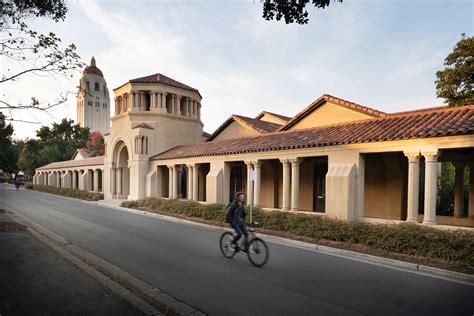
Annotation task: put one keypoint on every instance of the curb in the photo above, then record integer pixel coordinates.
(140, 294)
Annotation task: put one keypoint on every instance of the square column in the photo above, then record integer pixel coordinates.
(195, 182)
(118, 179)
(175, 182)
(257, 185)
(170, 181)
(413, 186)
(458, 189)
(58, 179)
(163, 102)
(431, 160)
(113, 182)
(189, 183)
(295, 184)
(286, 184)
(249, 183)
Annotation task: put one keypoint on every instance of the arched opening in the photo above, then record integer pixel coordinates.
(121, 172)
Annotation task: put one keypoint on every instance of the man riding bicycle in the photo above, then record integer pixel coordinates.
(235, 217)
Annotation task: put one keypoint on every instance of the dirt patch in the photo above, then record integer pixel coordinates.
(12, 227)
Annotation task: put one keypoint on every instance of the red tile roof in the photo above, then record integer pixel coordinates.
(329, 98)
(93, 161)
(282, 118)
(257, 125)
(160, 78)
(424, 124)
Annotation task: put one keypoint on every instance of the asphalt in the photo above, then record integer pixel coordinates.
(35, 280)
(185, 262)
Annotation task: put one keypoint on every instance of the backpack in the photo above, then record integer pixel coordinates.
(229, 216)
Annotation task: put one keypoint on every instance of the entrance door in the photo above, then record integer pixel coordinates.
(319, 192)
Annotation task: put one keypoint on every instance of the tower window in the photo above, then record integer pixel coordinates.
(103, 88)
(104, 105)
(96, 86)
(88, 86)
(89, 103)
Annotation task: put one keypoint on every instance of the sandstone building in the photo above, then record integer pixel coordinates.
(334, 158)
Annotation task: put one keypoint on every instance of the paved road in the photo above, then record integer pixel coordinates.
(185, 261)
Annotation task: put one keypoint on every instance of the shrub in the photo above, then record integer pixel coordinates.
(453, 246)
(74, 193)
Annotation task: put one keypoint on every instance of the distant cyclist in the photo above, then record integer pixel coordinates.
(235, 217)
(17, 182)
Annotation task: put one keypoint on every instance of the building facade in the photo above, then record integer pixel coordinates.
(334, 158)
(93, 100)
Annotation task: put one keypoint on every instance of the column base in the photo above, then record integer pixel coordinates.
(285, 209)
(429, 222)
(411, 220)
(294, 209)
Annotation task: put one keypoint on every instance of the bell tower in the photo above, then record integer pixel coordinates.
(93, 100)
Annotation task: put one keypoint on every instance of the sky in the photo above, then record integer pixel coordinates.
(379, 53)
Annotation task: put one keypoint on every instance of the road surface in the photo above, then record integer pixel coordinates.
(185, 261)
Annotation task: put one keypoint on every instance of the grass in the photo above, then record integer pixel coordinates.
(74, 193)
(455, 247)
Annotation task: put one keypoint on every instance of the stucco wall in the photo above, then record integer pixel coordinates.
(385, 186)
(236, 130)
(329, 113)
(271, 119)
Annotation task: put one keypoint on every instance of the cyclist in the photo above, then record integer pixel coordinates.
(235, 217)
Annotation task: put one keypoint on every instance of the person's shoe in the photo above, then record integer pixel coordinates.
(235, 247)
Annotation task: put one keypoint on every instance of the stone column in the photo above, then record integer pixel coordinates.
(142, 101)
(58, 179)
(413, 186)
(286, 184)
(257, 186)
(163, 101)
(190, 182)
(295, 184)
(133, 100)
(170, 181)
(175, 182)
(113, 181)
(119, 180)
(198, 105)
(153, 101)
(189, 107)
(431, 160)
(96, 181)
(249, 183)
(137, 101)
(74, 180)
(178, 105)
(458, 189)
(196, 182)
(470, 209)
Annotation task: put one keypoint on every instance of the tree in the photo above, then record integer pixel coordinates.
(293, 11)
(31, 52)
(6, 132)
(455, 83)
(95, 146)
(57, 143)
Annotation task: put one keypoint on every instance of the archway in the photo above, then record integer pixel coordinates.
(121, 170)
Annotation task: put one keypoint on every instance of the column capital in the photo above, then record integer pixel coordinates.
(296, 161)
(190, 165)
(249, 163)
(412, 156)
(431, 156)
(257, 163)
(284, 161)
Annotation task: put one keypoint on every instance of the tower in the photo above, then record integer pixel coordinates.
(93, 100)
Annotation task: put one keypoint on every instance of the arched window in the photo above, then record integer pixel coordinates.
(87, 86)
(96, 86)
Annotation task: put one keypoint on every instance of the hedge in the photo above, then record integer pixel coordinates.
(74, 193)
(453, 246)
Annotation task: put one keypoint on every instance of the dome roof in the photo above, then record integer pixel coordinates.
(92, 69)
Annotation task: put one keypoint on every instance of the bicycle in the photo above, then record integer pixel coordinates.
(256, 249)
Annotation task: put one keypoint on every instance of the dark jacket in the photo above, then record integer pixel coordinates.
(235, 213)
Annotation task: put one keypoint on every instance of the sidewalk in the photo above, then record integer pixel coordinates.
(36, 280)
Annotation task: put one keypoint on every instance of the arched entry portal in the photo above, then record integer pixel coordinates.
(121, 171)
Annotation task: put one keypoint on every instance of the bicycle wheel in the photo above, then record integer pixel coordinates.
(225, 244)
(257, 252)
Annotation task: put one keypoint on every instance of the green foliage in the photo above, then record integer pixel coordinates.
(291, 11)
(54, 144)
(32, 52)
(455, 83)
(74, 193)
(453, 246)
(445, 196)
